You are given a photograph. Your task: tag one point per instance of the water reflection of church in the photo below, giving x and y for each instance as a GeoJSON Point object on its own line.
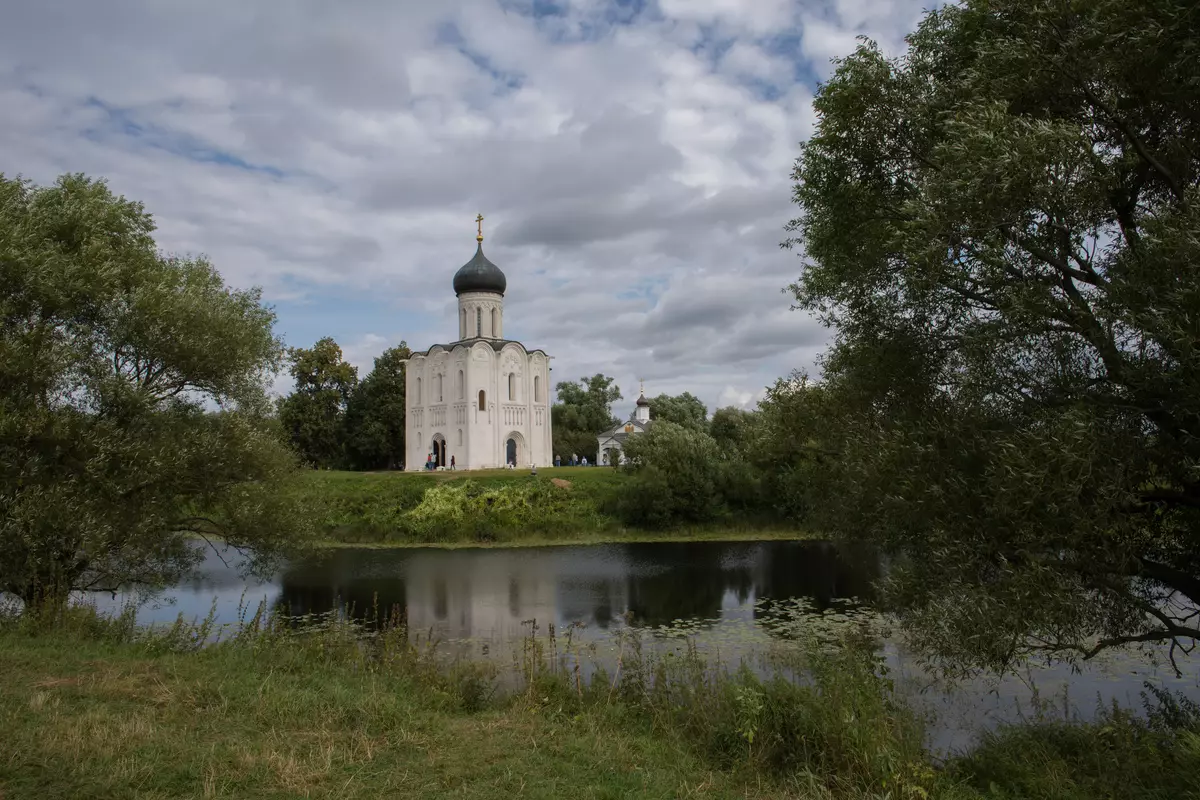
{"type": "Point", "coordinates": [491, 594]}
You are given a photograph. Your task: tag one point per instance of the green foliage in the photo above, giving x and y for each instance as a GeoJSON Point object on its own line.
{"type": "Point", "coordinates": [502, 507]}
{"type": "Point", "coordinates": [381, 508]}
{"type": "Point", "coordinates": [375, 413]}
{"type": "Point", "coordinates": [733, 429]}
{"type": "Point", "coordinates": [784, 446]}
{"type": "Point", "coordinates": [1001, 225]}
{"type": "Point", "coordinates": [583, 411]}
{"type": "Point", "coordinates": [684, 410]}
{"type": "Point", "coordinates": [112, 357]}
{"type": "Point", "coordinates": [313, 415]}
{"type": "Point", "coordinates": [1117, 756]}
{"type": "Point", "coordinates": [679, 474]}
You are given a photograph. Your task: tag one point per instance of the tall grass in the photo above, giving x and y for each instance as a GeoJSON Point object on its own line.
{"type": "Point", "coordinates": [823, 722]}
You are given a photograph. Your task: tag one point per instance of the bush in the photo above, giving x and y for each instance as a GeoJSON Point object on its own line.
{"type": "Point", "coordinates": [399, 507]}
{"type": "Point", "coordinates": [1119, 756]}
{"type": "Point", "coordinates": [683, 476]}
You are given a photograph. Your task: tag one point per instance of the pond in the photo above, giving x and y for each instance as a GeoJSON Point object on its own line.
{"type": "Point", "coordinates": [732, 600]}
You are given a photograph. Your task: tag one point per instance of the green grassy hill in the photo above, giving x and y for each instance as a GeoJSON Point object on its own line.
{"type": "Point", "coordinates": [486, 507]}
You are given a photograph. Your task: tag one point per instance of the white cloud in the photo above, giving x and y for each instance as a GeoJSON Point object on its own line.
{"type": "Point", "coordinates": [634, 173]}
{"type": "Point", "coordinates": [738, 398]}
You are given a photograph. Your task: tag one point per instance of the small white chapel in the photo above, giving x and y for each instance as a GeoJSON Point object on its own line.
{"type": "Point", "coordinates": [611, 444]}
{"type": "Point", "coordinates": [481, 400]}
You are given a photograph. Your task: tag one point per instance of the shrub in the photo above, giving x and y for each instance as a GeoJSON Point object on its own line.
{"type": "Point", "coordinates": [679, 472]}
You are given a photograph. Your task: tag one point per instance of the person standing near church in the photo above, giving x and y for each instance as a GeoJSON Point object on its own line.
{"type": "Point", "coordinates": [451, 462]}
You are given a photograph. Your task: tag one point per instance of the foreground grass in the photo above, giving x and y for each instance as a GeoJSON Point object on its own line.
{"type": "Point", "coordinates": [85, 719]}
{"type": "Point", "coordinates": [495, 507]}
{"type": "Point", "coordinates": [94, 708]}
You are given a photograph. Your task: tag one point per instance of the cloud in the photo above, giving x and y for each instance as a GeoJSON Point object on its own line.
{"type": "Point", "coordinates": [631, 159]}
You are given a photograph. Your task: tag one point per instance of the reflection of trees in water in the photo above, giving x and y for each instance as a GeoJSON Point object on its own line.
{"type": "Point", "coordinates": [684, 581]}
{"type": "Point", "coordinates": [819, 571]}
{"type": "Point", "coordinates": [333, 585]}
{"type": "Point", "coordinates": [590, 601]}
{"type": "Point", "coordinates": [657, 583]}
{"type": "Point", "coordinates": [689, 581]}
{"type": "Point", "coordinates": [824, 574]}
{"type": "Point", "coordinates": [366, 601]}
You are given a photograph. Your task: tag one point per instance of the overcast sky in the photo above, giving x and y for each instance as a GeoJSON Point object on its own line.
{"type": "Point", "coordinates": [631, 158]}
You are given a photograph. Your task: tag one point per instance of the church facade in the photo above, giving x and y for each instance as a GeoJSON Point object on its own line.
{"type": "Point", "coordinates": [481, 400]}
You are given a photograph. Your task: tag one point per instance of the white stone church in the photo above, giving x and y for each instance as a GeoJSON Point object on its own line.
{"type": "Point", "coordinates": [610, 445]}
{"type": "Point", "coordinates": [481, 399]}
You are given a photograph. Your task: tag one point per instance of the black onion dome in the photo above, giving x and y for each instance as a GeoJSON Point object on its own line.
{"type": "Point", "coordinates": [479, 275]}
{"type": "Point", "coordinates": [642, 401]}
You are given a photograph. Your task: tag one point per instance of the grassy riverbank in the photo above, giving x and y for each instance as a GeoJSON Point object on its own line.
{"type": "Point", "coordinates": [495, 507]}
{"type": "Point", "coordinates": [96, 709]}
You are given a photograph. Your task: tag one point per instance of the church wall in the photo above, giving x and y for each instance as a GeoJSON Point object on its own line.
{"type": "Point", "coordinates": [484, 433]}
{"type": "Point", "coordinates": [414, 402]}
{"type": "Point", "coordinates": [480, 433]}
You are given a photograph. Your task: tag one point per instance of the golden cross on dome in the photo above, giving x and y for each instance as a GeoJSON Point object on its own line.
{"type": "Point", "coordinates": [479, 222]}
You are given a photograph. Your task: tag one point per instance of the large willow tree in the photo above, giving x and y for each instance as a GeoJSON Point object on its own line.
{"type": "Point", "coordinates": [1003, 226]}
{"type": "Point", "coordinates": [134, 425]}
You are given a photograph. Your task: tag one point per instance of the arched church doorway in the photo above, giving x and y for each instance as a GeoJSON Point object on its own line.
{"type": "Point", "coordinates": [514, 449]}
{"type": "Point", "coordinates": [439, 450]}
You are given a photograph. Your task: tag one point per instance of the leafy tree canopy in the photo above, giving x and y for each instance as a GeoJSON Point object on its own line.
{"type": "Point", "coordinates": [732, 428]}
{"type": "Point", "coordinates": [375, 413]}
{"type": "Point", "coordinates": [1002, 225]}
{"type": "Point", "coordinates": [684, 409]}
{"type": "Point", "coordinates": [314, 414]}
{"type": "Point", "coordinates": [583, 411]}
{"type": "Point", "coordinates": [679, 473]}
{"type": "Point", "coordinates": [133, 405]}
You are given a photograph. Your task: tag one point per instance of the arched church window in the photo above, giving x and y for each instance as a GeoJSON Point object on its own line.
{"type": "Point", "coordinates": [440, 378]}
{"type": "Point", "coordinates": [479, 322]}
{"type": "Point", "coordinates": [537, 388]}
{"type": "Point", "coordinates": [460, 437]}
{"type": "Point", "coordinates": [482, 400]}
{"type": "Point", "coordinates": [462, 326]}
{"type": "Point", "coordinates": [418, 391]}
{"type": "Point", "coordinates": [512, 386]}
{"type": "Point", "coordinates": [495, 323]}
{"type": "Point", "coordinates": [462, 386]}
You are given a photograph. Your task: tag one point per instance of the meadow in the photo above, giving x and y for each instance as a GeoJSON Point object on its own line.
{"type": "Point", "coordinates": [495, 507]}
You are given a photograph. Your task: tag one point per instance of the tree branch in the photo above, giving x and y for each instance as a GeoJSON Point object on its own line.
{"type": "Point", "coordinates": [1042, 254]}
{"type": "Point", "coordinates": [1138, 146]}
{"type": "Point", "coordinates": [1172, 577]}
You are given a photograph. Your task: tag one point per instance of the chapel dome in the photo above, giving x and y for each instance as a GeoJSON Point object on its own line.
{"type": "Point", "coordinates": [479, 275]}
{"type": "Point", "coordinates": [642, 401]}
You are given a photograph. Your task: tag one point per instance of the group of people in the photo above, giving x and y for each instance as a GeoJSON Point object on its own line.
{"type": "Point", "coordinates": [573, 461]}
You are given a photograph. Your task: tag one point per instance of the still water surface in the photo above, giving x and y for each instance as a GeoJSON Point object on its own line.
{"type": "Point", "coordinates": [733, 600]}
